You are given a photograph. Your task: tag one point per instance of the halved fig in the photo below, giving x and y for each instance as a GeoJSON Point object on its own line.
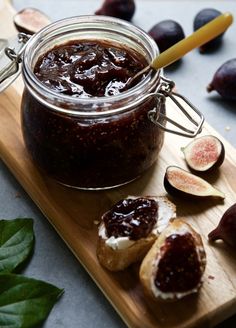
{"type": "Point", "coordinates": [30, 20]}
{"type": "Point", "coordinates": [174, 266]}
{"type": "Point", "coordinates": [204, 153]}
{"type": "Point", "coordinates": [179, 182]}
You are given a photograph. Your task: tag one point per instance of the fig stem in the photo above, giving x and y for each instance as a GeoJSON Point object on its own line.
{"type": "Point", "coordinates": [214, 235]}
{"type": "Point", "coordinates": [210, 87]}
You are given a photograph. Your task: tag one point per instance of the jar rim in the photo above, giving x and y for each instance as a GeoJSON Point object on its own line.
{"type": "Point", "coordinates": [40, 91]}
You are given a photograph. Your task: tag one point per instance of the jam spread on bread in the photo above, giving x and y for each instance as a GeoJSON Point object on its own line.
{"type": "Point", "coordinates": [179, 266]}
{"type": "Point", "coordinates": [133, 218]}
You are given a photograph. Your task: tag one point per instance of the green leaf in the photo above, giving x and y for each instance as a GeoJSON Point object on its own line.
{"type": "Point", "coordinates": [16, 243]}
{"type": "Point", "coordinates": [25, 302]}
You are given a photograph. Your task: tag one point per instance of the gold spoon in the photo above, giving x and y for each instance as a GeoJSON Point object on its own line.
{"type": "Point", "coordinates": [181, 48]}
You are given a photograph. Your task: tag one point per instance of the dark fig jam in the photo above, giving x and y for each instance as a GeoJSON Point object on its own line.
{"type": "Point", "coordinates": [84, 151]}
{"type": "Point", "coordinates": [133, 218]}
{"type": "Point", "coordinates": [179, 267]}
{"type": "Point", "coordinates": [88, 68]}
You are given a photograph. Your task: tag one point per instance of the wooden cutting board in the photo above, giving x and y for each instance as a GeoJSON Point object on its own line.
{"type": "Point", "coordinates": [74, 214]}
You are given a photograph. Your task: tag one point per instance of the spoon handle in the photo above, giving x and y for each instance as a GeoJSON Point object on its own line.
{"type": "Point", "coordinates": [195, 40]}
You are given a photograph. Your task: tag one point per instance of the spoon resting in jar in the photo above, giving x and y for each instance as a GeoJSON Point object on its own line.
{"type": "Point", "coordinates": [204, 34]}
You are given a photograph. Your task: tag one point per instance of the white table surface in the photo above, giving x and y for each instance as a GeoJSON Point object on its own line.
{"type": "Point", "coordinates": [83, 304]}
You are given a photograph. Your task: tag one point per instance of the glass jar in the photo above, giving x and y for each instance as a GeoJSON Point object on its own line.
{"type": "Point", "coordinates": [98, 142]}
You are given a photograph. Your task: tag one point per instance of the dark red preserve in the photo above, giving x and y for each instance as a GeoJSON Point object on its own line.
{"type": "Point", "coordinates": [82, 124]}
{"type": "Point", "coordinates": [179, 268]}
{"type": "Point", "coordinates": [88, 68]}
{"type": "Point", "coordinates": [133, 218]}
{"type": "Point", "coordinates": [85, 152]}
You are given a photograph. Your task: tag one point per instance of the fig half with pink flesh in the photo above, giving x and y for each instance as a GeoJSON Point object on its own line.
{"type": "Point", "coordinates": [179, 182]}
{"type": "Point", "coordinates": [30, 20]}
{"type": "Point", "coordinates": [226, 229]}
{"type": "Point", "coordinates": [204, 153]}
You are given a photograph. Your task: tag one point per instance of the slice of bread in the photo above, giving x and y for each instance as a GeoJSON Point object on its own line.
{"type": "Point", "coordinates": [151, 263]}
{"type": "Point", "coordinates": [116, 254]}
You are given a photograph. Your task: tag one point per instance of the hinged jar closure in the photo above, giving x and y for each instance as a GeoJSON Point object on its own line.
{"type": "Point", "coordinates": [11, 52]}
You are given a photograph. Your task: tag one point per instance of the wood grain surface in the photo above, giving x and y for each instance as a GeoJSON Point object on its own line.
{"type": "Point", "coordinates": [74, 214]}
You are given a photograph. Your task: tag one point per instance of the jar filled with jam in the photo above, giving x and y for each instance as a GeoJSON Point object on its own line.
{"type": "Point", "coordinates": [83, 123]}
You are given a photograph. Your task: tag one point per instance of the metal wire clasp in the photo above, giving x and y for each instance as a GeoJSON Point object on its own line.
{"type": "Point", "coordinates": [189, 114]}
{"type": "Point", "coordinates": [10, 63]}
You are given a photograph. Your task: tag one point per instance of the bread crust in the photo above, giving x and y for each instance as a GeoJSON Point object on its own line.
{"type": "Point", "coordinates": [149, 264]}
{"type": "Point", "coordinates": [116, 260]}
{"type": "Point", "coordinates": [119, 259]}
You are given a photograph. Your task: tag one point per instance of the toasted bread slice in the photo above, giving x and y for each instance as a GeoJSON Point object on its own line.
{"type": "Point", "coordinates": [184, 257]}
{"type": "Point", "coordinates": [118, 253]}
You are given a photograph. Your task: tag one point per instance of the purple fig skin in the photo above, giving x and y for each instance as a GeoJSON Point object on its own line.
{"type": "Point", "coordinates": [174, 191]}
{"type": "Point", "coordinates": [221, 158]}
{"type": "Point", "coordinates": [224, 80]}
{"type": "Point", "coordinates": [203, 17]}
{"type": "Point", "coordinates": [166, 33]}
{"type": "Point", "coordinates": [226, 229]}
{"type": "Point", "coordinates": [123, 9]}
{"type": "Point", "coordinates": [214, 163]}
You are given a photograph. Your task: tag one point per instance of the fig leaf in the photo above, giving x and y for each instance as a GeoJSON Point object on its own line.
{"type": "Point", "coordinates": [16, 243]}
{"type": "Point", "coordinates": [25, 302]}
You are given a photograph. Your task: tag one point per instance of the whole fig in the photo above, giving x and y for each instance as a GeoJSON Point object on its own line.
{"type": "Point", "coordinates": [202, 18]}
{"type": "Point", "coordinates": [226, 229]}
{"type": "Point", "coordinates": [166, 33]}
{"type": "Point", "coordinates": [224, 80]}
{"type": "Point", "coordinates": [123, 9]}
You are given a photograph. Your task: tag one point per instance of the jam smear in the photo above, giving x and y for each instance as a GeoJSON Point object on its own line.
{"type": "Point", "coordinates": [179, 267]}
{"type": "Point", "coordinates": [133, 218]}
{"type": "Point", "coordinates": [88, 68]}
